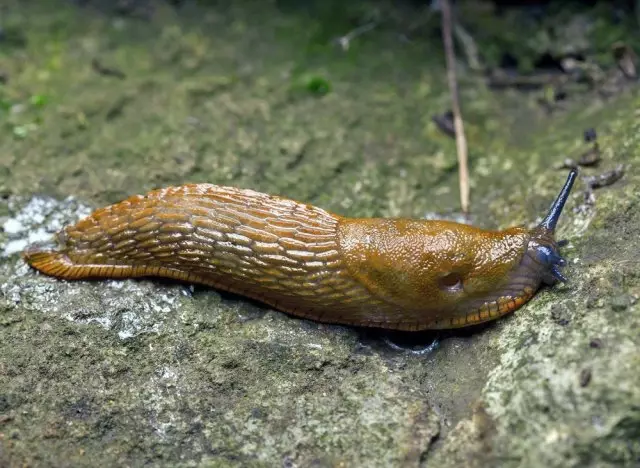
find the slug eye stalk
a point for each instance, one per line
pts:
(546, 248)
(551, 220)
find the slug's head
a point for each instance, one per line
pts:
(440, 274)
(538, 261)
(520, 261)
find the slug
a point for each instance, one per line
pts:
(403, 274)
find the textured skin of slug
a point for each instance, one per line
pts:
(300, 259)
(275, 250)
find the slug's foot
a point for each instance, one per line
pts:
(416, 351)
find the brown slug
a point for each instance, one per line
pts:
(402, 274)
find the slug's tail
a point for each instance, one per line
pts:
(58, 264)
(51, 263)
(551, 220)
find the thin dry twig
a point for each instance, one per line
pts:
(345, 41)
(461, 141)
(469, 46)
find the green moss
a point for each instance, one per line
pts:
(314, 85)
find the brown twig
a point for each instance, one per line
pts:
(461, 141)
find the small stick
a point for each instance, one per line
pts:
(345, 41)
(461, 141)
